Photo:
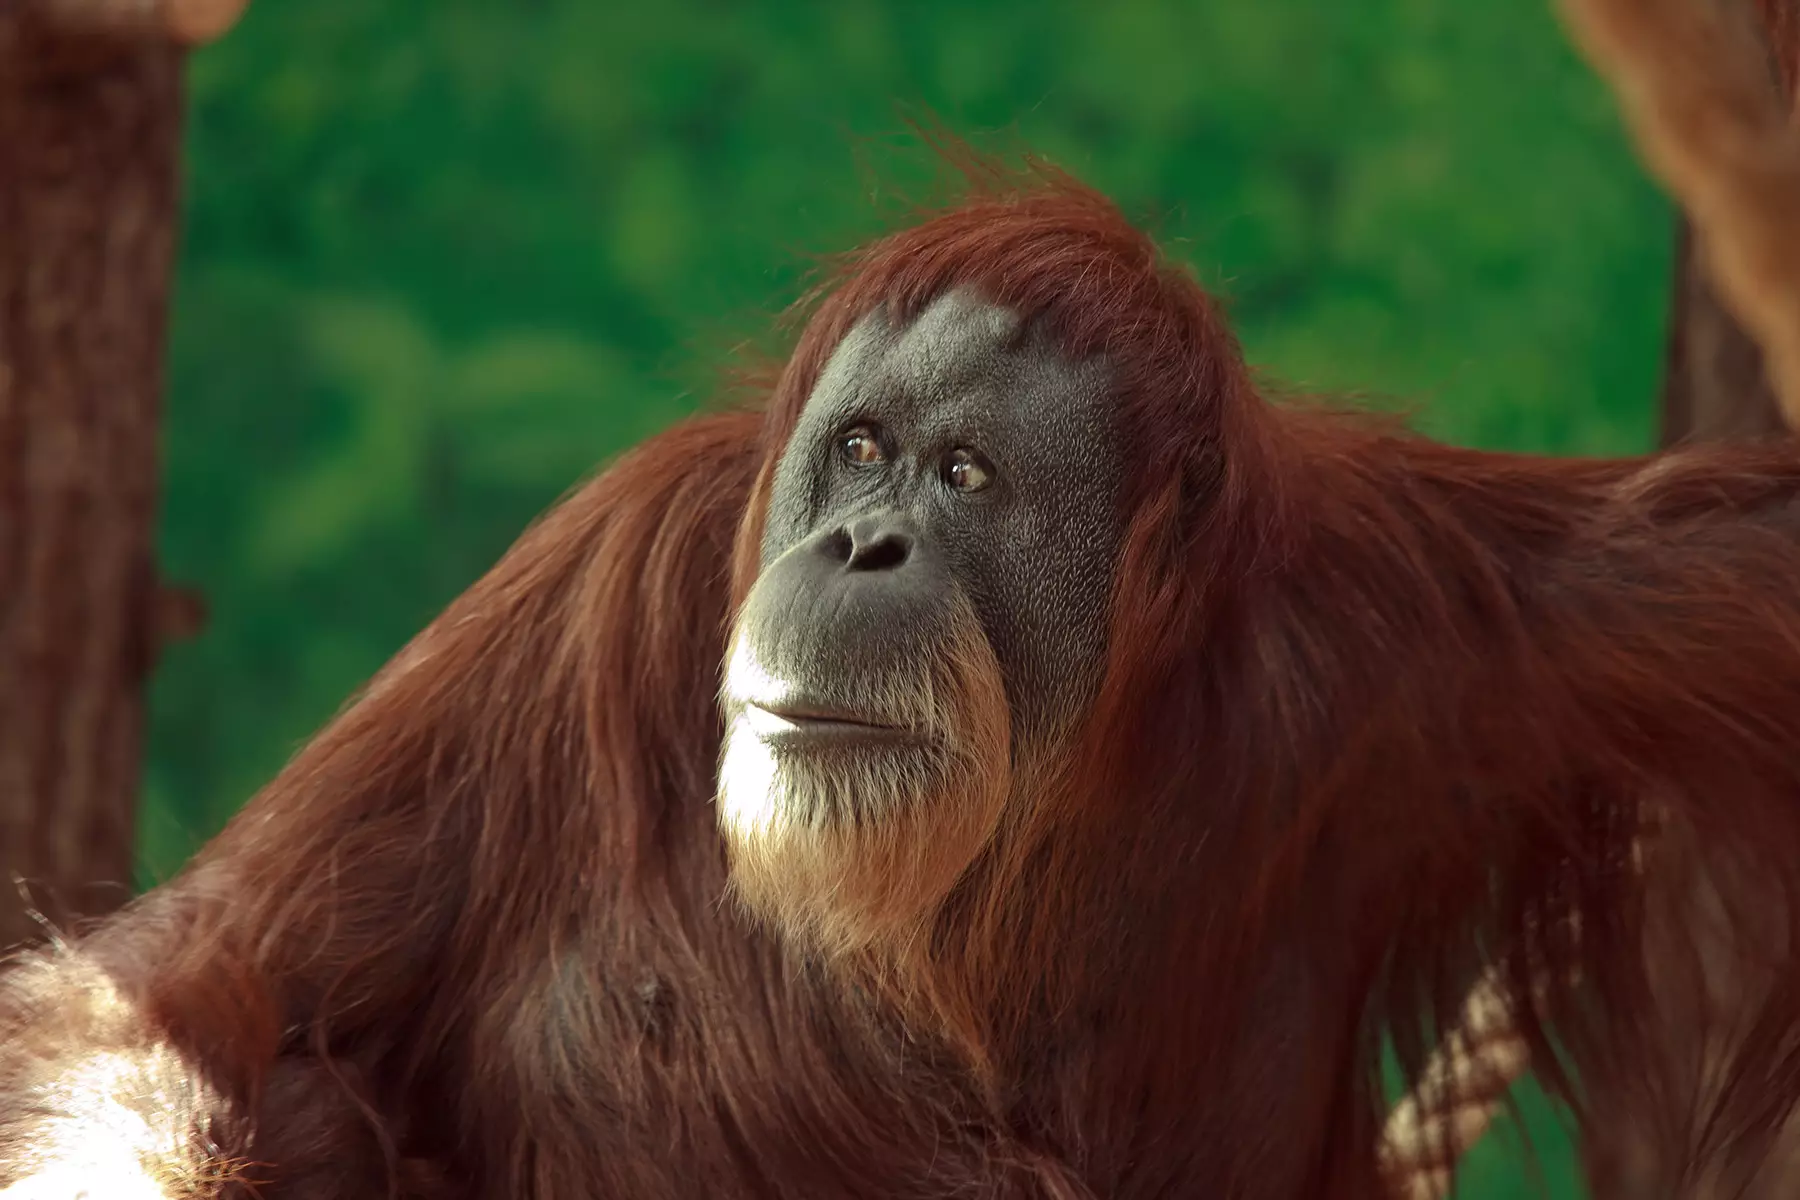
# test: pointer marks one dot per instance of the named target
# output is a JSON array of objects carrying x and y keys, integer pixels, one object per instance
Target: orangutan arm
[{"x": 260, "y": 1013}]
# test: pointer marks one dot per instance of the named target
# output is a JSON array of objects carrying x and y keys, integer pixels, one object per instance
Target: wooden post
[
  {"x": 1696, "y": 85},
  {"x": 1714, "y": 384},
  {"x": 90, "y": 120}
]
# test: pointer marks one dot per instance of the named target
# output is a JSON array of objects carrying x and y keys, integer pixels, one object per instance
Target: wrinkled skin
[{"x": 863, "y": 562}]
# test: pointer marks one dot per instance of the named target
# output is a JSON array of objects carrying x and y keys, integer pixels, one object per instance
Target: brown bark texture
[
  {"x": 89, "y": 140},
  {"x": 189, "y": 22},
  {"x": 1712, "y": 124},
  {"x": 1715, "y": 383}
]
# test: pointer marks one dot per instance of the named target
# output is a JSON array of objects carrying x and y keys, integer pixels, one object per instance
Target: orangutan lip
[
  {"x": 809, "y": 715},
  {"x": 802, "y": 724}
]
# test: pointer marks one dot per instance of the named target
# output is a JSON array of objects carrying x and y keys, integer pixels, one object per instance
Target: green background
[{"x": 442, "y": 258}]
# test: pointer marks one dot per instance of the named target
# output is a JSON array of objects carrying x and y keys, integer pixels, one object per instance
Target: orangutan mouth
[{"x": 798, "y": 726}]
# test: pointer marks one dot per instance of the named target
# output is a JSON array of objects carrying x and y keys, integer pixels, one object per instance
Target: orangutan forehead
[
  {"x": 962, "y": 351},
  {"x": 958, "y": 335}
]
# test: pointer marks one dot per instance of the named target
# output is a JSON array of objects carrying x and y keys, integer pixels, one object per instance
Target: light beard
[{"x": 854, "y": 844}]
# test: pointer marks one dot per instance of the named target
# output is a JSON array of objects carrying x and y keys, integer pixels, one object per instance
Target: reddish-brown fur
[{"x": 1377, "y": 712}]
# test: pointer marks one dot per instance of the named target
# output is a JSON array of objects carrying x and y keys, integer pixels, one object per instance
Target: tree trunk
[
  {"x": 1714, "y": 386},
  {"x": 1713, "y": 382},
  {"x": 89, "y": 141}
]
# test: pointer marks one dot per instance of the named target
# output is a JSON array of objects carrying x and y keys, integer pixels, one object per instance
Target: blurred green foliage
[{"x": 443, "y": 257}]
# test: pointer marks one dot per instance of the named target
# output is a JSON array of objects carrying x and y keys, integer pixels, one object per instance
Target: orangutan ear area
[{"x": 993, "y": 741}]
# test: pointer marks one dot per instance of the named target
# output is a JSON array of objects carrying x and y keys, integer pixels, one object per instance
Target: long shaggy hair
[{"x": 1377, "y": 716}]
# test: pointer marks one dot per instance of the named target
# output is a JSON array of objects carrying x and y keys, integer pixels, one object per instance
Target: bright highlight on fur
[
  {"x": 94, "y": 1140},
  {"x": 116, "y": 1121}
]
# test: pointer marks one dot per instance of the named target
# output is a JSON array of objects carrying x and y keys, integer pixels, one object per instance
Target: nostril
[
  {"x": 837, "y": 546},
  {"x": 882, "y": 551}
]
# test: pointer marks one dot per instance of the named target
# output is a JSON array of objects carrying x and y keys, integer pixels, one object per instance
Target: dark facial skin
[{"x": 959, "y": 464}]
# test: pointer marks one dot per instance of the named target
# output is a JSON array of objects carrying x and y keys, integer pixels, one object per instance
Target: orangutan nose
[{"x": 874, "y": 543}]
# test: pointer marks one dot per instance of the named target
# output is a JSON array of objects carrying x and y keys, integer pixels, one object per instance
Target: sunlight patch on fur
[
  {"x": 95, "y": 1140},
  {"x": 748, "y": 771},
  {"x": 119, "y": 1121},
  {"x": 116, "y": 1179},
  {"x": 747, "y": 784}
]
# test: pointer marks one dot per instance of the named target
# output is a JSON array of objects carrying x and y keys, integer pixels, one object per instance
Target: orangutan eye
[
  {"x": 860, "y": 446},
  {"x": 967, "y": 471}
]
